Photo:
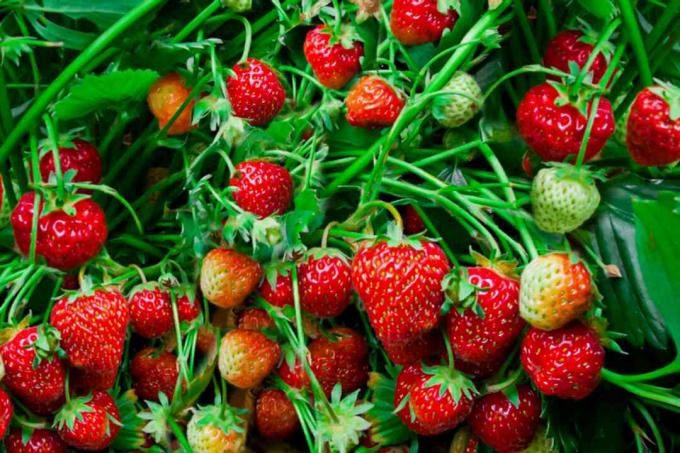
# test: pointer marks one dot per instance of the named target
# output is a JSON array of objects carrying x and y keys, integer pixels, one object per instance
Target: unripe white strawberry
[
  {"x": 459, "y": 107},
  {"x": 212, "y": 430}
]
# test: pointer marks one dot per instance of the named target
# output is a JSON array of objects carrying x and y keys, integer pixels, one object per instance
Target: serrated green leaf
[
  {"x": 70, "y": 39},
  {"x": 98, "y": 92}
]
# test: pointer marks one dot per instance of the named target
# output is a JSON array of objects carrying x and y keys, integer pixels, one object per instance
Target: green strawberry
[
  {"x": 238, "y": 6},
  {"x": 563, "y": 198},
  {"x": 459, "y": 107}
]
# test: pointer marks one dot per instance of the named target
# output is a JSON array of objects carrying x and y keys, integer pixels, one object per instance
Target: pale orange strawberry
[
  {"x": 228, "y": 277},
  {"x": 246, "y": 357}
]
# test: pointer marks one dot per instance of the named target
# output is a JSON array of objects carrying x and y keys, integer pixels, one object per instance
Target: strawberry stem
[{"x": 635, "y": 38}]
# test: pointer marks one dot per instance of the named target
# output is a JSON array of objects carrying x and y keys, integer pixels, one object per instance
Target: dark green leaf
[
  {"x": 103, "y": 13},
  {"x": 70, "y": 39},
  {"x": 604, "y": 9}
]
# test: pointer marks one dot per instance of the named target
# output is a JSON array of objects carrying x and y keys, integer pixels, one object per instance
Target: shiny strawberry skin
[
  {"x": 40, "y": 441},
  {"x": 433, "y": 411},
  {"x": 479, "y": 370},
  {"x": 83, "y": 381},
  {"x": 166, "y": 97},
  {"x": 151, "y": 311},
  {"x": 95, "y": 430},
  {"x": 6, "y": 412},
  {"x": 293, "y": 375},
  {"x": 154, "y": 372},
  {"x": 373, "y": 103},
  {"x": 482, "y": 339},
  {"x": 275, "y": 416},
  {"x": 262, "y": 188},
  {"x": 501, "y": 425},
  {"x": 282, "y": 292},
  {"x": 413, "y": 224},
  {"x": 333, "y": 65},
  {"x": 415, "y": 22},
  {"x": 35, "y": 386},
  {"x": 400, "y": 286},
  {"x": 568, "y": 46},
  {"x": 246, "y": 357},
  {"x": 555, "y": 133},
  {"x": 325, "y": 285},
  {"x": 341, "y": 357},
  {"x": 92, "y": 327},
  {"x": 565, "y": 363},
  {"x": 653, "y": 138},
  {"x": 83, "y": 158},
  {"x": 255, "y": 92},
  {"x": 228, "y": 277},
  {"x": 429, "y": 344},
  {"x": 255, "y": 319},
  {"x": 64, "y": 241}
]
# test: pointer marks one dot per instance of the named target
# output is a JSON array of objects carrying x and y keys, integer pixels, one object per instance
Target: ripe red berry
[
  {"x": 571, "y": 46},
  {"x": 83, "y": 381},
  {"x": 154, "y": 372},
  {"x": 262, "y": 188},
  {"x": 64, "y": 240},
  {"x": 151, "y": 310},
  {"x": 333, "y": 64},
  {"x": 166, "y": 97},
  {"x": 255, "y": 319},
  {"x": 325, "y": 283},
  {"x": 413, "y": 224},
  {"x": 428, "y": 345},
  {"x": 255, "y": 92},
  {"x": 416, "y": 22},
  {"x": 281, "y": 294},
  {"x": 503, "y": 426},
  {"x": 6, "y": 412},
  {"x": 373, "y": 103},
  {"x": 565, "y": 362},
  {"x": 39, "y": 441},
  {"x": 340, "y": 358},
  {"x": 89, "y": 423},
  {"x": 83, "y": 157},
  {"x": 275, "y": 416}
]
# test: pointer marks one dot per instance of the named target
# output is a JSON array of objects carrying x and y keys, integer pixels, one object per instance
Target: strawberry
[
  {"x": 563, "y": 198},
  {"x": 431, "y": 400},
  {"x": 40, "y": 441},
  {"x": 340, "y": 358},
  {"x": 82, "y": 381},
  {"x": 464, "y": 442},
  {"x": 554, "y": 291},
  {"x": 400, "y": 285},
  {"x": 422, "y": 347},
  {"x": 215, "y": 429},
  {"x": 5, "y": 208},
  {"x": 83, "y": 157},
  {"x": 416, "y": 22},
  {"x": 325, "y": 283},
  {"x": 206, "y": 341},
  {"x": 275, "y": 416},
  {"x": 460, "y": 101},
  {"x": 653, "y": 128},
  {"x": 334, "y": 63},
  {"x": 228, "y": 277},
  {"x": 413, "y": 224},
  {"x": 262, "y": 188},
  {"x": 554, "y": 128},
  {"x": 255, "y": 319},
  {"x": 277, "y": 288},
  {"x": 504, "y": 426},
  {"x": 6, "y": 412},
  {"x": 67, "y": 237},
  {"x": 373, "y": 103},
  {"x": 89, "y": 423},
  {"x": 572, "y": 46},
  {"x": 165, "y": 98},
  {"x": 479, "y": 370},
  {"x": 151, "y": 309},
  {"x": 255, "y": 92},
  {"x": 480, "y": 338},
  {"x": 246, "y": 357},
  {"x": 32, "y": 373},
  {"x": 565, "y": 362},
  {"x": 154, "y": 372},
  {"x": 293, "y": 374},
  {"x": 92, "y": 326}
]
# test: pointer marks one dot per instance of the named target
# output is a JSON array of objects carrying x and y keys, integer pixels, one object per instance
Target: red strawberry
[
  {"x": 281, "y": 293},
  {"x": 89, "y": 423},
  {"x": 416, "y": 22},
  {"x": 427, "y": 345},
  {"x": 228, "y": 277},
  {"x": 151, "y": 309},
  {"x": 325, "y": 283},
  {"x": 400, "y": 286},
  {"x": 165, "y": 98},
  {"x": 556, "y": 132},
  {"x": 653, "y": 129},
  {"x": 255, "y": 319},
  {"x": 33, "y": 375},
  {"x": 437, "y": 398},
  {"x": 206, "y": 341},
  {"x": 565, "y": 362},
  {"x": 92, "y": 327},
  {"x": 476, "y": 338},
  {"x": 255, "y": 92},
  {"x": 153, "y": 372},
  {"x": 333, "y": 64},
  {"x": 479, "y": 370},
  {"x": 341, "y": 357},
  {"x": 293, "y": 374},
  {"x": 83, "y": 158},
  {"x": 65, "y": 240},
  {"x": 503, "y": 426},
  {"x": 247, "y": 357},
  {"x": 570, "y": 46},
  {"x": 262, "y": 188},
  {"x": 275, "y": 416},
  {"x": 82, "y": 381},
  {"x": 40, "y": 441},
  {"x": 373, "y": 103},
  {"x": 6, "y": 412},
  {"x": 413, "y": 224}
]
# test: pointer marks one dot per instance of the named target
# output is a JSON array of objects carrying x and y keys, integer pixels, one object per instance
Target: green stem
[
  {"x": 197, "y": 21},
  {"x": 177, "y": 431},
  {"x": 671, "y": 368},
  {"x": 592, "y": 114},
  {"x": 529, "y": 39},
  {"x": 669, "y": 16},
  {"x": 54, "y": 144},
  {"x": 547, "y": 10},
  {"x": 635, "y": 38}
]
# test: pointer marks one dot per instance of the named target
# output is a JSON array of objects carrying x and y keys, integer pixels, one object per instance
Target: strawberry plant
[{"x": 409, "y": 225}]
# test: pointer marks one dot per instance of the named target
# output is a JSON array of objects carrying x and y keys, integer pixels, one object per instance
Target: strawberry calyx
[
  {"x": 273, "y": 270},
  {"x": 506, "y": 268},
  {"x": 157, "y": 419},
  {"x": 342, "y": 429},
  {"x": 443, "y": 6},
  {"x": 8, "y": 333},
  {"x": 346, "y": 37},
  {"x": 583, "y": 174},
  {"x": 321, "y": 252},
  {"x": 224, "y": 417},
  {"x": 671, "y": 94},
  {"x": 580, "y": 98},
  {"x": 72, "y": 410},
  {"x": 450, "y": 380},
  {"x": 591, "y": 36}
]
